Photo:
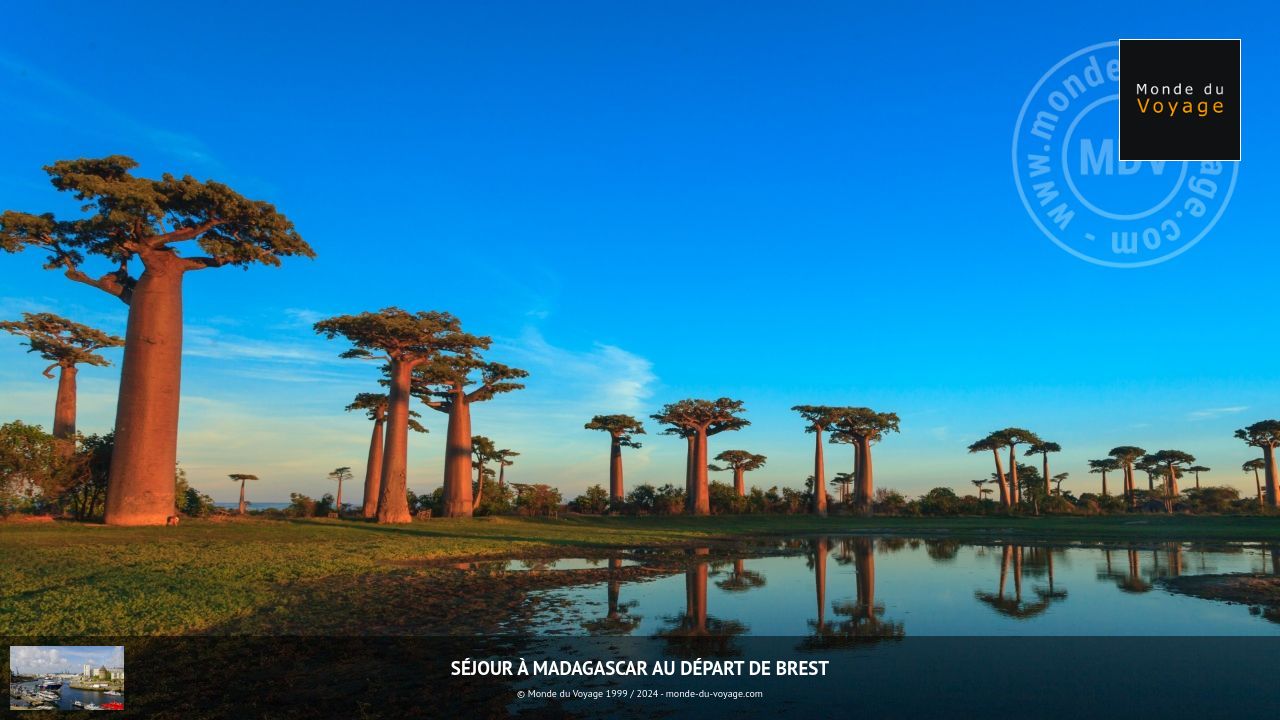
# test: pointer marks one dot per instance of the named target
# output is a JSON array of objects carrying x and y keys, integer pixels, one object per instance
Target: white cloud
[{"x": 1213, "y": 413}]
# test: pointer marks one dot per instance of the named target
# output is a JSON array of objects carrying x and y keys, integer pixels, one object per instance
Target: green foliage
[
  {"x": 735, "y": 459},
  {"x": 61, "y": 341},
  {"x": 537, "y": 499},
  {"x": 595, "y": 501},
  {"x": 1212, "y": 499},
  {"x": 33, "y": 470},
  {"x": 646, "y": 499},
  {"x": 724, "y": 499},
  {"x": 939, "y": 501},
  {"x": 818, "y": 417},
  {"x": 706, "y": 416},
  {"x": 620, "y": 427},
  {"x": 375, "y": 407},
  {"x": 402, "y": 336},
  {"x": 1264, "y": 433}
]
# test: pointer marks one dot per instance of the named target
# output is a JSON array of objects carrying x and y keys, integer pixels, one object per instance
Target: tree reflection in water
[
  {"x": 1012, "y": 605},
  {"x": 694, "y": 632},
  {"x": 618, "y": 619},
  {"x": 860, "y": 621}
]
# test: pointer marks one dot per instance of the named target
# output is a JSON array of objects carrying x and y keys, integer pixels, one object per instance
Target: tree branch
[{"x": 181, "y": 234}]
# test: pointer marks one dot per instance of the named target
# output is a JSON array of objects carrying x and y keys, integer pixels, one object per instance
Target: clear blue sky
[{"x": 779, "y": 204}]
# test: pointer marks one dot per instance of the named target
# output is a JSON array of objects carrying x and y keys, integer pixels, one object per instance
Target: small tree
[
  {"x": 621, "y": 429},
  {"x": 241, "y": 478},
  {"x": 66, "y": 344},
  {"x": 1043, "y": 448},
  {"x": 1197, "y": 469},
  {"x": 482, "y": 453},
  {"x": 340, "y": 475},
  {"x": 1254, "y": 466},
  {"x": 994, "y": 443},
  {"x": 503, "y": 458},
  {"x": 1104, "y": 466},
  {"x": 1265, "y": 435},
  {"x": 592, "y": 502},
  {"x": 126, "y": 220},
  {"x": 740, "y": 462}
]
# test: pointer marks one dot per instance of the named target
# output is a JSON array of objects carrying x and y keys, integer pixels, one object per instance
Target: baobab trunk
[
  {"x": 240, "y": 508},
  {"x": 64, "y": 409},
  {"x": 700, "y": 503},
  {"x": 1173, "y": 482},
  {"x": 864, "y": 567},
  {"x": 338, "y": 501},
  {"x": 1046, "y": 473},
  {"x": 739, "y": 482},
  {"x": 615, "y": 471},
  {"x": 820, "y": 579},
  {"x": 863, "y": 477},
  {"x": 1104, "y": 484},
  {"x": 689, "y": 479},
  {"x": 140, "y": 490},
  {"x": 819, "y": 482},
  {"x": 373, "y": 470},
  {"x": 457, "y": 458},
  {"x": 1015, "y": 492},
  {"x": 1004, "y": 485},
  {"x": 1258, "y": 484},
  {"x": 479, "y": 487},
  {"x": 502, "y": 476},
  {"x": 1273, "y": 491},
  {"x": 393, "y": 503}
]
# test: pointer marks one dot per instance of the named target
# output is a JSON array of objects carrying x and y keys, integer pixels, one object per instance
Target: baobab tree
[
  {"x": 994, "y": 443},
  {"x": 740, "y": 462},
  {"x": 817, "y": 418},
  {"x": 503, "y": 458},
  {"x": 1265, "y": 435},
  {"x": 977, "y": 484},
  {"x": 1013, "y": 437},
  {"x": 405, "y": 341},
  {"x": 1254, "y": 466},
  {"x": 1043, "y": 448},
  {"x": 127, "y": 220},
  {"x": 861, "y": 427},
  {"x": 1170, "y": 462},
  {"x": 698, "y": 420},
  {"x": 241, "y": 478},
  {"x": 1197, "y": 469},
  {"x": 621, "y": 429},
  {"x": 65, "y": 344},
  {"x": 375, "y": 406},
  {"x": 845, "y": 481},
  {"x": 1104, "y": 466},
  {"x": 450, "y": 378},
  {"x": 1058, "y": 480},
  {"x": 340, "y": 475},
  {"x": 483, "y": 452},
  {"x": 1127, "y": 456}
]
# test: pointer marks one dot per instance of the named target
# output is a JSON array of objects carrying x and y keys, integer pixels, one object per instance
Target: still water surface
[{"x": 894, "y": 587}]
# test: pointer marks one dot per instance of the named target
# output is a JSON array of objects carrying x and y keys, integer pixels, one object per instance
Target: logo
[{"x": 1107, "y": 211}]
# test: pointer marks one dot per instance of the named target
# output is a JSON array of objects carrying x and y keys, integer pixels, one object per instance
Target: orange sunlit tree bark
[
  {"x": 993, "y": 443},
  {"x": 405, "y": 341},
  {"x": 1265, "y": 435},
  {"x": 1043, "y": 448},
  {"x": 621, "y": 428},
  {"x": 698, "y": 420},
  {"x": 66, "y": 344},
  {"x": 740, "y": 462},
  {"x": 817, "y": 419},
  {"x": 241, "y": 478},
  {"x": 127, "y": 220},
  {"x": 1127, "y": 456},
  {"x": 375, "y": 407},
  {"x": 1104, "y": 466},
  {"x": 862, "y": 427}
]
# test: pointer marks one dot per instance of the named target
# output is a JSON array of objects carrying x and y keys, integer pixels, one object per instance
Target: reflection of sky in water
[{"x": 938, "y": 596}]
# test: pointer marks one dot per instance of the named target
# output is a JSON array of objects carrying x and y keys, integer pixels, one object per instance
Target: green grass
[{"x": 313, "y": 575}]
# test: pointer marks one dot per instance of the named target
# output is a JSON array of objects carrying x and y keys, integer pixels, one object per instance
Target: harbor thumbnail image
[{"x": 66, "y": 677}]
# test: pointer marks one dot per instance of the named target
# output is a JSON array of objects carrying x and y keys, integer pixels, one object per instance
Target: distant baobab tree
[
  {"x": 862, "y": 427},
  {"x": 1104, "y": 466},
  {"x": 1128, "y": 456},
  {"x": 740, "y": 462},
  {"x": 977, "y": 485},
  {"x": 696, "y": 420},
  {"x": 455, "y": 383},
  {"x": 1170, "y": 462},
  {"x": 375, "y": 406},
  {"x": 503, "y": 458},
  {"x": 1197, "y": 469},
  {"x": 483, "y": 451},
  {"x": 1265, "y": 435},
  {"x": 845, "y": 481},
  {"x": 994, "y": 443},
  {"x": 240, "y": 478},
  {"x": 1043, "y": 448},
  {"x": 1013, "y": 437},
  {"x": 131, "y": 219},
  {"x": 1254, "y": 466},
  {"x": 817, "y": 419},
  {"x": 66, "y": 344},
  {"x": 1058, "y": 480},
  {"x": 405, "y": 341},
  {"x": 340, "y": 475},
  {"x": 621, "y": 429}
]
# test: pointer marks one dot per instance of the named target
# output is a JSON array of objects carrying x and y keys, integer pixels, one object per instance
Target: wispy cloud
[
  {"x": 610, "y": 378},
  {"x": 210, "y": 342},
  {"x": 1213, "y": 413}
]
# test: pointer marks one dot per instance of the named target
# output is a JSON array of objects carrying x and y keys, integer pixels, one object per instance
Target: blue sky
[{"x": 642, "y": 204}]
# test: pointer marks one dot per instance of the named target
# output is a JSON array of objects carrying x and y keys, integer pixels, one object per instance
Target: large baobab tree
[
  {"x": 450, "y": 378},
  {"x": 621, "y": 429},
  {"x": 1104, "y": 466},
  {"x": 405, "y": 341},
  {"x": 1254, "y": 466},
  {"x": 740, "y": 462},
  {"x": 1170, "y": 463},
  {"x": 65, "y": 344},
  {"x": 1265, "y": 435},
  {"x": 698, "y": 420},
  {"x": 375, "y": 406},
  {"x": 340, "y": 475},
  {"x": 861, "y": 427},
  {"x": 241, "y": 478},
  {"x": 1043, "y": 448},
  {"x": 1013, "y": 437},
  {"x": 1128, "y": 456},
  {"x": 1197, "y": 469},
  {"x": 128, "y": 220},
  {"x": 817, "y": 419},
  {"x": 993, "y": 443}
]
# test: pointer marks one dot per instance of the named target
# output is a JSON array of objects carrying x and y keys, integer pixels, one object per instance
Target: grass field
[{"x": 335, "y": 577}]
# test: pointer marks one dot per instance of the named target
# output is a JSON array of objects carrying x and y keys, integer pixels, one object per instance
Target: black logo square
[{"x": 1179, "y": 99}]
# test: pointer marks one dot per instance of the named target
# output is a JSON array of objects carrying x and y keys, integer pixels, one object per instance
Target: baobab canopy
[{"x": 62, "y": 341}]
